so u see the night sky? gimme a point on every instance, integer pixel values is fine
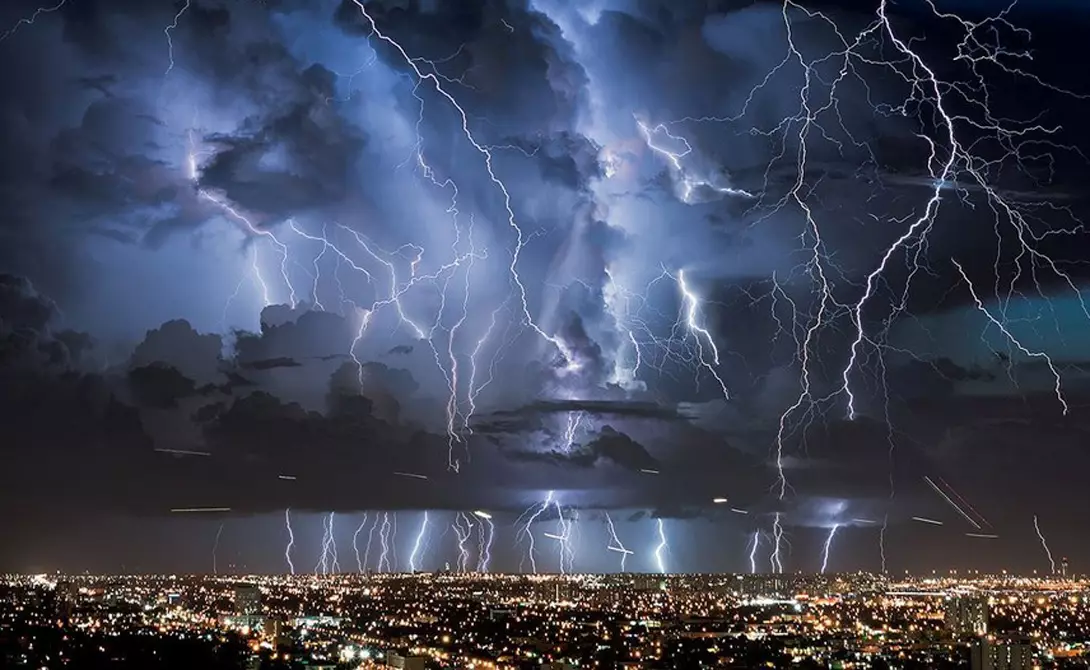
(824, 261)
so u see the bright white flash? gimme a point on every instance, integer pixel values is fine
(291, 540)
(615, 542)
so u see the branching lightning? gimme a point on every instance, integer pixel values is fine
(486, 532)
(526, 532)
(355, 544)
(753, 552)
(777, 541)
(615, 542)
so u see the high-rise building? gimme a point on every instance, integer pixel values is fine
(986, 654)
(1063, 567)
(405, 662)
(247, 600)
(967, 615)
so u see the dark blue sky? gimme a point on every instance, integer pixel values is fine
(639, 254)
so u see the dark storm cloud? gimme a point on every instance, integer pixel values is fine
(609, 446)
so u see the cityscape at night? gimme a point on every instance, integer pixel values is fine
(544, 333)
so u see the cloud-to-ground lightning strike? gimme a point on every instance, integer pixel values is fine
(356, 546)
(384, 531)
(753, 552)
(463, 536)
(825, 548)
(414, 555)
(777, 544)
(661, 547)
(486, 532)
(215, 550)
(291, 540)
(1044, 545)
(526, 531)
(953, 504)
(694, 323)
(615, 542)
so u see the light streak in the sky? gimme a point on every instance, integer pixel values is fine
(170, 42)
(649, 471)
(463, 536)
(526, 531)
(661, 547)
(825, 548)
(777, 541)
(719, 501)
(291, 540)
(1044, 545)
(486, 154)
(183, 510)
(616, 544)
(737, 510)
(411, 475)
(384, 541)
(753, 552)
(183, 452)
(215, 549)
(486, 531)
(923, 519)
(964, 502)
(953, 504)
(482, 514)
(29, 20)
(417, 544)
(287, 478)
(989, 536)
(355, 543)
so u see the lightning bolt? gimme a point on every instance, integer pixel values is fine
(215, 549)
(753, 552)
(486, 154)
(825, 548)
(486, 532)
(694, 322)
(615, 542)
(777, 541)
(1044, 545)
(170, 42)
(661, 547)
(956, 164)
(384, 540)
(291, 540)
(463, 536)
(526, 532)
(29, 20)
(882, 542)
(355, 545)
(417, 544)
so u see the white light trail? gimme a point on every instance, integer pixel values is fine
(753, 552)
(187, 510)
(953, 504)
(988, 536)
(923, 519)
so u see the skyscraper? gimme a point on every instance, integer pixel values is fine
(247, 600)
(967, 615)
(987, 654)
